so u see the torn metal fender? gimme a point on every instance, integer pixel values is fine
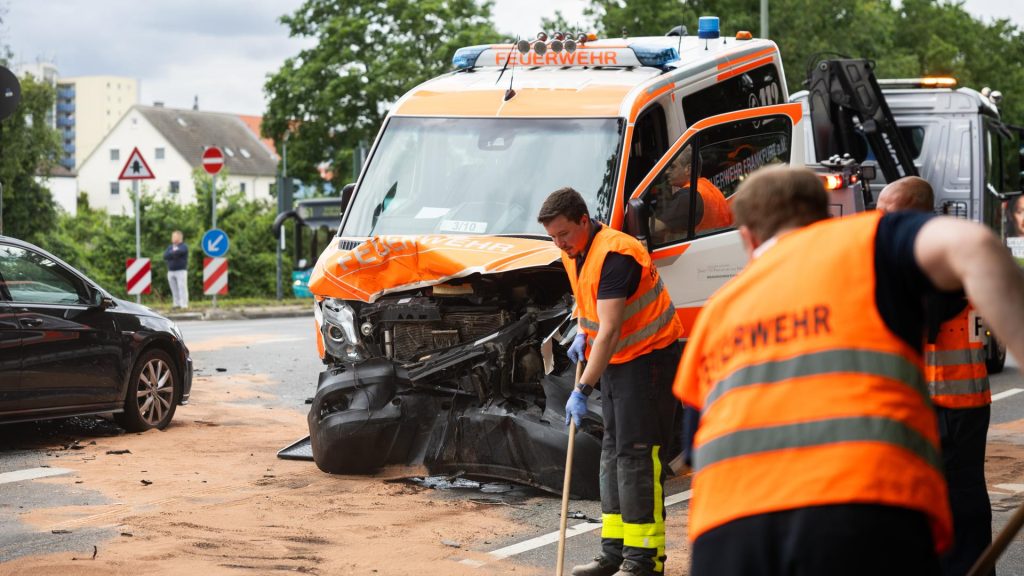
(370, 414)
(386, 264)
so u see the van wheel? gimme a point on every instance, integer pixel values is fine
(153, 393)
(995, 356)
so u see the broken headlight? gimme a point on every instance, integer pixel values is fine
(341, 338)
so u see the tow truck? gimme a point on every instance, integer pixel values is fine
(442, 309)
(952, 137)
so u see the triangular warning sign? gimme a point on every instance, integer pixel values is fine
(136, 168)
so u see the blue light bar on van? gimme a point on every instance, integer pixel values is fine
(466, 56)
(654, 56)
(707, 27)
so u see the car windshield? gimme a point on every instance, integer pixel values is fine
(481, 176)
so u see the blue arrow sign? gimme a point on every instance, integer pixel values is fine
(215, 243)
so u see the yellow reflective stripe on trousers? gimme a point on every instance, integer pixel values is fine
(611, 526)
(650, 535)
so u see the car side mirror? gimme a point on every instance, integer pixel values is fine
(637, 222)
(868, 173)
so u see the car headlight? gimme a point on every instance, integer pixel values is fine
(341, 338)
(176, 331)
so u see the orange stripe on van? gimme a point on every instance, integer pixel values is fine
(645, 98)
(590, 101)
(744, 68)
(687, 316)
(793, 110)
(669, 252)
(757, 54)
(618, 204)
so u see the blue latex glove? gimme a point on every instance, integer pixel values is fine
(575, 407)
(577, 349)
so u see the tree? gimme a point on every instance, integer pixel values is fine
(332, 98)
(28, 146)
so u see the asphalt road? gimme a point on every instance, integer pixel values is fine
(284, 351)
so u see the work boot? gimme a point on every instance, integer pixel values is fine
(630, 568)
(600, 566)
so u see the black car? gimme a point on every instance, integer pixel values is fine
(69, 348)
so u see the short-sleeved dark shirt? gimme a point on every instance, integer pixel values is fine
(620, 274)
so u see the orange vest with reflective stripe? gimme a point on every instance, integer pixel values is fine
(955, 364)
(717, 212)
(649, 322)
(806, 397)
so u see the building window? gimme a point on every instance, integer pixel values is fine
(115, 187)
(175, 185)
(159, 153)
(115, 154)
(241, 187)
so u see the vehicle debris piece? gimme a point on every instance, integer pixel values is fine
(146, 482)
(451, 543)
(118, 452)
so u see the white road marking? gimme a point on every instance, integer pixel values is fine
(552, 537)
(1006, 394)
(32, 474)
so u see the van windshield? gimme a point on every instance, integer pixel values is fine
(481, 176)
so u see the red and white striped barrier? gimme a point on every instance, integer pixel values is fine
(138, 276)
(215, 276)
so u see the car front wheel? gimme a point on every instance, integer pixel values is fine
(153, 393)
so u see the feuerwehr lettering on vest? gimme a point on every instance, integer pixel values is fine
(806, 322)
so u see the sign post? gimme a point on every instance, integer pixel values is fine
(213, 161)
(136, 169)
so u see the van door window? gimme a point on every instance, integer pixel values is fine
(758, 87)
(650, 141)
(725, 154)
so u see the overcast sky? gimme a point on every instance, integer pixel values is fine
(220, 50)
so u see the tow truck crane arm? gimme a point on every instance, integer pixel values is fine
(845, 98)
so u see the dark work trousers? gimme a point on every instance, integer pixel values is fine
(844, 540)
(638, 409)
(963, 432)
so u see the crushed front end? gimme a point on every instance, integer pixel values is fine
(458, 373)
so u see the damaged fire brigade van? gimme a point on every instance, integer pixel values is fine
(442, 308)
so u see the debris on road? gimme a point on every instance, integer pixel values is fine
(146, 482)
(117, 452)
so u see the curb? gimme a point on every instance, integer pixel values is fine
(243, 313)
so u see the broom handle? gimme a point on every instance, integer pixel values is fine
(566, 482)
(987, 561)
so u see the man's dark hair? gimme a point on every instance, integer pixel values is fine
(778, 197)
(563, 202)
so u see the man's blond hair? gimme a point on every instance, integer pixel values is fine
(778, 197)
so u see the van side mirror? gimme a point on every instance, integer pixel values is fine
(346, 195)
(637, 222)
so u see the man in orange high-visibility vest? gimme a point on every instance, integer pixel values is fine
(629, 334)
(817, 449)
(954, 358)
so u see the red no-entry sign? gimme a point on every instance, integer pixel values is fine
(213, 160)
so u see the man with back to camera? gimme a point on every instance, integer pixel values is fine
(958, 385)
(629, 334)
(817, 450)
